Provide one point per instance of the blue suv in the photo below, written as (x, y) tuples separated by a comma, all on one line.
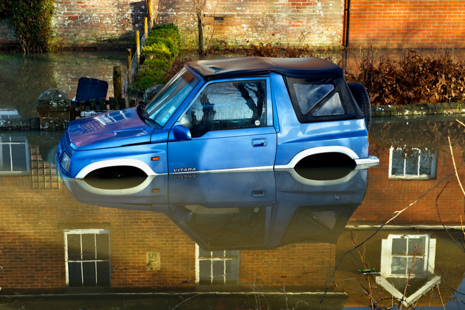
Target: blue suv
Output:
[(229, 114)]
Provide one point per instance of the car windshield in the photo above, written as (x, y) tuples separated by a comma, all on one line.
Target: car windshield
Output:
[(167, 101)]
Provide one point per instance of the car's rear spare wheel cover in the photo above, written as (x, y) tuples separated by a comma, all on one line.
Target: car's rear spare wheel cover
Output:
[(363, 100)]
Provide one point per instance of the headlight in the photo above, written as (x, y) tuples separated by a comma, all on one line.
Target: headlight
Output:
[(65, 161)]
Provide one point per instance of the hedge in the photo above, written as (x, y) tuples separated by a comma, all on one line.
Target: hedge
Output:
[(162, 47)]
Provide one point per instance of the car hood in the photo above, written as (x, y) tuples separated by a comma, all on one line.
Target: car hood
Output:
[(107, 130)]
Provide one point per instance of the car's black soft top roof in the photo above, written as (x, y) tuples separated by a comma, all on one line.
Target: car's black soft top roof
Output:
[(311, 67)]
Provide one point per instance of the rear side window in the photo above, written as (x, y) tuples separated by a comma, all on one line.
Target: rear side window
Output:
[(226, 106), (331, 107), (321, 100), (308, 95)]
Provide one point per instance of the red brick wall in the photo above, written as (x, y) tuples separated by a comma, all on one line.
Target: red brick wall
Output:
[(385, 196), (33, 254), (110, 23), (32, 240), (307, 264), (311, 21), (97, 22), (407, 23)]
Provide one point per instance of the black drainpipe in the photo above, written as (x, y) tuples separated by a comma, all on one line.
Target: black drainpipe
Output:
[(348, 23)]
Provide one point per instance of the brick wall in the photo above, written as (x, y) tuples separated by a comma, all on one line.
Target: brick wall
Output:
[(385, 196), (33, 254), (382, 23), (407, 23), (309, 21), (295, 265), (97, 22), (108, 23)]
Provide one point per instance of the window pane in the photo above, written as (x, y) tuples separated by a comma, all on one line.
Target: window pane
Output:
[(397, 162), (88, 246), (398, 265), (426, 162), (103, 246), (412, 163), (418, 244), (218, 253), (88, 271), (229, 105), (419, 265), (399, 246), (18, 139), (103, 273), (74, 274), (5, 164), (18, 152), (308, 95), (205, 272), (331, 107), (203, 253), (168, 100), (218, 272), (74, 247)]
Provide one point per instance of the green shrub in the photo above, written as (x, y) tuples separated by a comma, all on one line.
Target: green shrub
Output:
[(156, 63), (168, 31), (161, 49), (167, 41), (149, 78), (158, 51), (32, 22)]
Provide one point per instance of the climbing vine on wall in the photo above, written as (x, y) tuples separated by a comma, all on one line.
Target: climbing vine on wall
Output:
[(32, 22)]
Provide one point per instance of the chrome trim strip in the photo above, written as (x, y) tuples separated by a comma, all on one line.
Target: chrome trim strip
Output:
[(261, 168), (113, 163), (365, 163)]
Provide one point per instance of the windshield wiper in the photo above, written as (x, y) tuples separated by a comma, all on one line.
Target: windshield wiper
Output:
[(145, 116)]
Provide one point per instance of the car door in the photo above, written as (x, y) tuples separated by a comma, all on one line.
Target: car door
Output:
[(231, 125)]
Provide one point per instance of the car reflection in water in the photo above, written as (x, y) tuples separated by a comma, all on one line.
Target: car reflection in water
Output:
[(234, 211)]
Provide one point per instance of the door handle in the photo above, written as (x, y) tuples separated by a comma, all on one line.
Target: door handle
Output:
[(259, 142), (257, 194)]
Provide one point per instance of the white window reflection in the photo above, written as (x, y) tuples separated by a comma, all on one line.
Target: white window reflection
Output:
[(402, 255), (217, 267), (87, 258), (409, 257), (14, 155), (414, 164)]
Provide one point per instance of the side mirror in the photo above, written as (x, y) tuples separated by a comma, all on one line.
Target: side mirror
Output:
[(182, 133)]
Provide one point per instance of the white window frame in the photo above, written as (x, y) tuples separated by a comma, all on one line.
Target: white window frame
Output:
[(26, 150), (386, 256), (81, 232), (11, 114), (213, 259), (418, 176)]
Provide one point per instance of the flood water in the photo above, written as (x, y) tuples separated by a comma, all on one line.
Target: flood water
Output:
[(24, 78), (250, 240)]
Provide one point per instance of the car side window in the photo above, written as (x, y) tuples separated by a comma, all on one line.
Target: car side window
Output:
[(227, 105), (308, 95), (331, 107)]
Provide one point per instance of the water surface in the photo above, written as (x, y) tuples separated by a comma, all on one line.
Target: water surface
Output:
[(237, 240)]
